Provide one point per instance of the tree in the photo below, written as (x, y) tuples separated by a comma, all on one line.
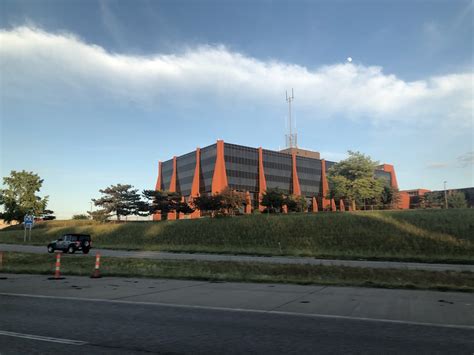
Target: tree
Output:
[(390, 196), (120, 200), (231, 200), (273, 200), (295, 203), (19, 197), (183, 207), (340, 187), (209, 203), (353, 179), (80, 216), (433, 199), (162, 202), (99, 215), (457, 199), (47, 215)]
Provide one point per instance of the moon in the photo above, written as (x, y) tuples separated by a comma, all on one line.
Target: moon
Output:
[(349, 59)]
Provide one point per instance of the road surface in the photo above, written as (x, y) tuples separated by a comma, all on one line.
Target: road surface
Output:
[(245, 258), (80, 315)]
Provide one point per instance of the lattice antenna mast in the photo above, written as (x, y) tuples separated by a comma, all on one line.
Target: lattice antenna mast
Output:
[(291, 138)]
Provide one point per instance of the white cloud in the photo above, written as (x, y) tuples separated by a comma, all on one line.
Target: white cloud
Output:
[(439, 165), (59, 67), (466, 159), (463, 161)]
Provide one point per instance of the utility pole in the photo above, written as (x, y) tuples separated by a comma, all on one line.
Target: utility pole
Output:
[(291, 138), (445, 196)]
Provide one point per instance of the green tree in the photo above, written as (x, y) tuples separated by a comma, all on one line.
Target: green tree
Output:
[(457, 199), (47, 215), (162, 202), (340, 187), (433, 199), (184, 207), (231, 200), (390, 196), (120, 200), (209, 203), (273, 200), (19, 197), (353, 179), (295, 203)]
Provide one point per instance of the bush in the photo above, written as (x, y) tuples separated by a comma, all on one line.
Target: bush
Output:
[(99, 215), (457, 199), (80, 216)]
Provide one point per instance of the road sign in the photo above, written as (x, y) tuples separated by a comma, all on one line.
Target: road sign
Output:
[(28, 220)]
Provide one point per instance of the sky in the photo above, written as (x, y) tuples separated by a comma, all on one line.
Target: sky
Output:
[(94, 93)]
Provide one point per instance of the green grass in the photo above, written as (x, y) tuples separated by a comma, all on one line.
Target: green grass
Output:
[(243, 272), (421, 235)]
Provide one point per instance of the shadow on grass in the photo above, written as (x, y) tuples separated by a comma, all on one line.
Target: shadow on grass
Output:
[(431, 235)]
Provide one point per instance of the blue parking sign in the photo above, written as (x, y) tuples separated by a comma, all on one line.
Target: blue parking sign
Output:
[(28, 220)]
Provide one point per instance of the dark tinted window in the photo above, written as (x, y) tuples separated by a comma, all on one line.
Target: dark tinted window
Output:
[(309, 175), (277, 167), (186, 165), (241, 167), (208, 161), (167, 171), (380, 174)]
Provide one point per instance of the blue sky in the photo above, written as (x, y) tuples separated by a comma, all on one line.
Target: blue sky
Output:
[(94, 93)]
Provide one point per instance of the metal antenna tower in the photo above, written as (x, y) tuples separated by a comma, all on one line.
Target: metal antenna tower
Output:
[(291, 138)]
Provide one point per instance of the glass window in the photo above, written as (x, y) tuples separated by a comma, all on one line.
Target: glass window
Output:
[(241, 167), (208, 161)]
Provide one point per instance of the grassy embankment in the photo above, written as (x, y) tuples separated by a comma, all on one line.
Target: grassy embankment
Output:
[(423, 235), (244, 272)]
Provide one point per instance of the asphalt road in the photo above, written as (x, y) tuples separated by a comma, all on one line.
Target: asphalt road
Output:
[(108, 328), (130, 315), (245, 258)]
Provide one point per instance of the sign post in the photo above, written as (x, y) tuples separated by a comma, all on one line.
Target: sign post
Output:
[(29, 220)]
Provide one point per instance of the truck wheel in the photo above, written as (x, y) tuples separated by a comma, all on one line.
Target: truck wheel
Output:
[(71, 250), (85, 251)]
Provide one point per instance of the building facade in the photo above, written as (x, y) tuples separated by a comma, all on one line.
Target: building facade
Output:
[(415, 196), (252, 170)]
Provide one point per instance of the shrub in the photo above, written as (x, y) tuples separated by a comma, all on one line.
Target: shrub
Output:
[(80, 216)]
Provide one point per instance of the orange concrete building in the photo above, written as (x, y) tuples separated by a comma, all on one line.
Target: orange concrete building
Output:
[(252, 171)]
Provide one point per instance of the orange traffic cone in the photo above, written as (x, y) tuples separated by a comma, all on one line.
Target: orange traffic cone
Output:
[(96, 273), (57, 270)]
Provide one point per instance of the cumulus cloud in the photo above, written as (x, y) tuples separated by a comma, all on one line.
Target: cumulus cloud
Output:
[(60, 65)]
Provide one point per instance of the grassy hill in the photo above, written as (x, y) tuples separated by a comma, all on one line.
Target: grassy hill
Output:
[(424, 235)]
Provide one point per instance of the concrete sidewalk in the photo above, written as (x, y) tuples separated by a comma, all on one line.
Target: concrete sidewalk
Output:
[(447, 309), (258, 259)]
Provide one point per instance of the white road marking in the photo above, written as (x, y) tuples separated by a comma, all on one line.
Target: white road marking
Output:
[(42, 338), (259, 311)]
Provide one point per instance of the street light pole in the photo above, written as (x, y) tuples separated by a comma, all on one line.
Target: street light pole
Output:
[(445, 196)]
